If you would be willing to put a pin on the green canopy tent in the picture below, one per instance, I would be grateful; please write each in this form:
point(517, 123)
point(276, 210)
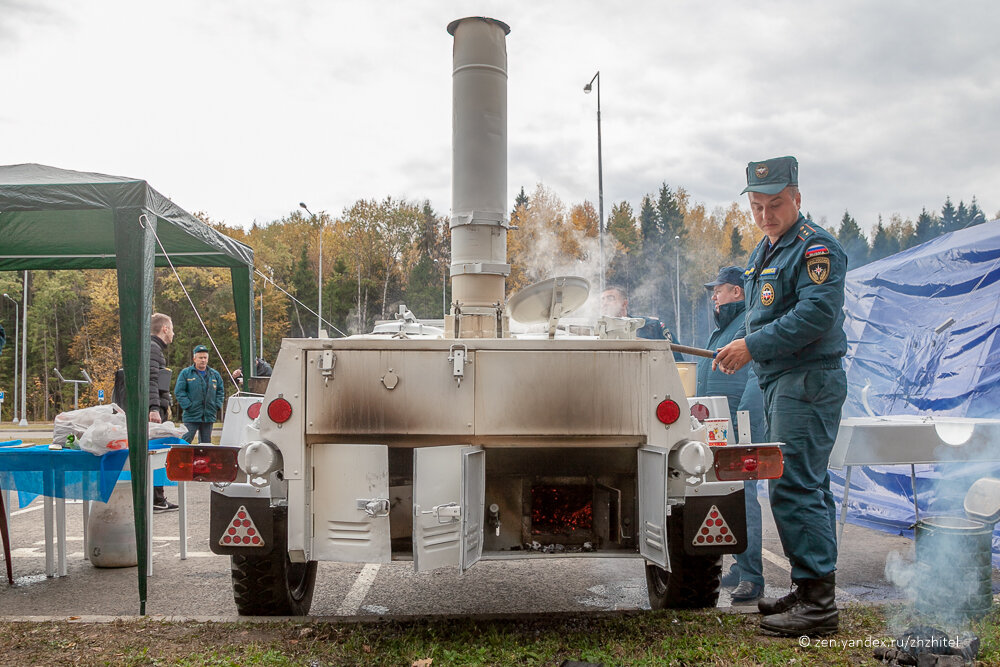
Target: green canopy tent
point(59, 219)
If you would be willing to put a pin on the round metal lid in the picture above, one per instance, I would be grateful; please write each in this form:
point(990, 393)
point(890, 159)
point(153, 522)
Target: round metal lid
point(534, 303)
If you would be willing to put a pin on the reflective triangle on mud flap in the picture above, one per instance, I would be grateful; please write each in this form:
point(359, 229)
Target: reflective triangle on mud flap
point(241, 531)
point(713, 531)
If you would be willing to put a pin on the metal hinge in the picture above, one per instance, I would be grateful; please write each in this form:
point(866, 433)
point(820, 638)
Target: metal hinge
point(374, 507)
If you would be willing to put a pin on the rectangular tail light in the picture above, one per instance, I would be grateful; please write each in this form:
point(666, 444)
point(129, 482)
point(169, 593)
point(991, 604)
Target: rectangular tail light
point(736, 463)
point(202, 464)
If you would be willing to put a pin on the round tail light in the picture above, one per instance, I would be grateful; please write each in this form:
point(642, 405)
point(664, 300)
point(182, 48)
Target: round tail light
point(254, 410)
point(279, 410)
point(668, 411)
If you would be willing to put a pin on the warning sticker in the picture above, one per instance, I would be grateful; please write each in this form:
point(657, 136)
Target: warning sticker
point(714, 530)
point(241, 531)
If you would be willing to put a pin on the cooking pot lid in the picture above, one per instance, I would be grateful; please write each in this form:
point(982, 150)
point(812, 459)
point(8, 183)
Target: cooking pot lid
point(534, 303)
point(983, 500)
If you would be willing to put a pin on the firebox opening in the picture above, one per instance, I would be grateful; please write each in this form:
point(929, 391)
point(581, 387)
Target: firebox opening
point(562, 510)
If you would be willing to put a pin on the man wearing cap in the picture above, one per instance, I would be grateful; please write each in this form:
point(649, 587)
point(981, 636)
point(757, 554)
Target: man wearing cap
point(743, 393)
point(794, 335)
point(200, 392)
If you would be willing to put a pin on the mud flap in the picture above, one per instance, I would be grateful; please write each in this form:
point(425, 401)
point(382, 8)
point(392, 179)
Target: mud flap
point(225, 510)
point(715, 525)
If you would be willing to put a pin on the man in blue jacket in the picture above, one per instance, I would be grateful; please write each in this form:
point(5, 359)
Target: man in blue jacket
point(794, 335)
point(743, 393)
point(200, 392)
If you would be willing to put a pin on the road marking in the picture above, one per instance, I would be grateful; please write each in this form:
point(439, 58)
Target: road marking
point(355, 596)
point(783, 563)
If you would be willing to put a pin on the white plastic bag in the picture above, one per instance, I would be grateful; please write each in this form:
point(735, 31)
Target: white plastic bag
point(105, 436)
point(75, 422)
point(165, 430)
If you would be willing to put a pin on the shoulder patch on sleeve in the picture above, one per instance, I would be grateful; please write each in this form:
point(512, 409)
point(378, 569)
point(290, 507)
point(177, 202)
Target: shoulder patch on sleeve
point(817, 251)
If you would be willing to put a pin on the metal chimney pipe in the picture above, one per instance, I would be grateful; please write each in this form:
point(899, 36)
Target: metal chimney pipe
point(479, 221)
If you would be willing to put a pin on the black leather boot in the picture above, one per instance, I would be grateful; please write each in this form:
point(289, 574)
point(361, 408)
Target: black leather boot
point(768, 606)
point(814, 613)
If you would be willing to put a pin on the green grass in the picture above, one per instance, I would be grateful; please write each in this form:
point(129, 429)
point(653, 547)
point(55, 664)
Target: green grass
point(646, 638)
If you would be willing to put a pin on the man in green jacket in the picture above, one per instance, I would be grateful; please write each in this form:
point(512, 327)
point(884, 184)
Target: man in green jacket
point(794, 335)
point(200, 392)
point(743, 393)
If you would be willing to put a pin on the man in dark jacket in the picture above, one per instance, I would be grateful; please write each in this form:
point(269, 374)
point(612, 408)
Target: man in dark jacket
point(161, 329)
point(200, 392)
point(743, 393)
point(794, 335)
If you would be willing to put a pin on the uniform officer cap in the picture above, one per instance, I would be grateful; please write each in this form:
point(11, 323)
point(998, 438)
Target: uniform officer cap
point(772, 176)
point(199, 348)
point(728, 275)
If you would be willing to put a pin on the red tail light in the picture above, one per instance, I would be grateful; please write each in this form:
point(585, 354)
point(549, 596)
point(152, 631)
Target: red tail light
point(734, 463)
point(279, 410)
point(668, 411)
point(254, 410)
point(202, 464)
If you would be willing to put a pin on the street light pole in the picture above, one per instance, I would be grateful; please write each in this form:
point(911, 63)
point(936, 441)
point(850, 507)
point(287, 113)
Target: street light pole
point(677, 293)
point(24, 352)
point(17, 324)
point(319, 303)
point(600, 172)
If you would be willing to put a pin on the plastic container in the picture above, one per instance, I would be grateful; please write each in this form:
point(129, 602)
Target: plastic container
point(111, 530)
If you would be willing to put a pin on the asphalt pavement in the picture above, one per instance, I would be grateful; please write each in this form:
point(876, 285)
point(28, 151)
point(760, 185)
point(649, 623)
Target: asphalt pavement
point(199, 587)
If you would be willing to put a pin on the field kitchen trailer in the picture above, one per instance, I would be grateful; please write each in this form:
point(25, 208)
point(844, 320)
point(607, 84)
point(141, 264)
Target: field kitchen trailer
point(456, 444)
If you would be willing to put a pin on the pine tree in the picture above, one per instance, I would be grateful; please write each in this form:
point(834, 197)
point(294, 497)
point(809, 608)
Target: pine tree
point(521, 200)
point(976, 215)
point(853, 241)
point(927, 228)
point(884, 243)
point(962, 218)
point(735, 245)
point(949, 219)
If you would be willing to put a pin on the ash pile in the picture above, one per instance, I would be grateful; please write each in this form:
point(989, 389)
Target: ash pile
point(925, 646)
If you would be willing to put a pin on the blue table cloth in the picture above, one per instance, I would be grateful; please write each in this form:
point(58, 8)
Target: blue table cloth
point(31, 471)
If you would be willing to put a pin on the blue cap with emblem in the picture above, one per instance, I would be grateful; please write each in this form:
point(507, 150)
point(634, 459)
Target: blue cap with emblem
point(728, 275)
point(199, 348)
point(772, 176)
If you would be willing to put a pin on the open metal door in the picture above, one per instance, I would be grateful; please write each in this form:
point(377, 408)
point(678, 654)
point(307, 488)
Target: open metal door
point(653, 506)
point(447, 509)
point(351, 507)
point(473, 505)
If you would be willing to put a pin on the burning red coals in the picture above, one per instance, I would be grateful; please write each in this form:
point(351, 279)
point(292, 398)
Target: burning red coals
point(561, 509)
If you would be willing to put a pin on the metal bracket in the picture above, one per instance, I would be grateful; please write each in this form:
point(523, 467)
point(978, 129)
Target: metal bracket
point(457, 354)
point(374, 507)
point(326, 365)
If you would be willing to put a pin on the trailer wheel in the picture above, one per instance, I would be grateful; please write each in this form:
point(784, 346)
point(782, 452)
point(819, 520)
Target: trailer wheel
point(694, 581)
point(272, 585)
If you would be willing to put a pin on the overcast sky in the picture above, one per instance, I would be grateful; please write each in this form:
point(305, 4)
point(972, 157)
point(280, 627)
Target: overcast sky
point(243, 109)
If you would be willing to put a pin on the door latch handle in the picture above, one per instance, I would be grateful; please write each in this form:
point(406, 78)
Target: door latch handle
point(374, 507)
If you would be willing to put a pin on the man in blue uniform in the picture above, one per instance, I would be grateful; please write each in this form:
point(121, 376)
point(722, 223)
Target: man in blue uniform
point(794, 335)
point(742, 391)
point(200, 392)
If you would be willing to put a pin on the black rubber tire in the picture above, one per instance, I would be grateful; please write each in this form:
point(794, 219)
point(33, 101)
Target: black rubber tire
point(693, 583)
point(272, 585)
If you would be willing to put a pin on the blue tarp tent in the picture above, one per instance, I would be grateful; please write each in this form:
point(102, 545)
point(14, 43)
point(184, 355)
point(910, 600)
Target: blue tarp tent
point(922, 329)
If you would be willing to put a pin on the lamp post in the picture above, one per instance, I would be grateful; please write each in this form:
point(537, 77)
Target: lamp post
point(319, 300)
point(24, 353)
point(600, 172)
point(17, 324)
point(677, 293)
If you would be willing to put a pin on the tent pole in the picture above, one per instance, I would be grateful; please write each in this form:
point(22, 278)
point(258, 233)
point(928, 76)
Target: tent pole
point(242, 277)
point(134, 253)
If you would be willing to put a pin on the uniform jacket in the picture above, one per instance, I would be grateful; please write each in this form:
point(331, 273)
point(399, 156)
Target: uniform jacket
point(200, 397)
point(795, 302)
point(158, 400)
point(741, 388)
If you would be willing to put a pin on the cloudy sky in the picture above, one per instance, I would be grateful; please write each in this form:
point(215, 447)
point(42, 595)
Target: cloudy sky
point(243, 109)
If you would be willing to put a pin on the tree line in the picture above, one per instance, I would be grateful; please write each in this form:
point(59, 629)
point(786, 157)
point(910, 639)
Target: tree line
point(377, 254)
